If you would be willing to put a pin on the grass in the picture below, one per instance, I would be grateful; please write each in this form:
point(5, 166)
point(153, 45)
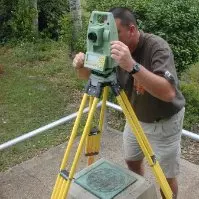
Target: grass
point(38, 86)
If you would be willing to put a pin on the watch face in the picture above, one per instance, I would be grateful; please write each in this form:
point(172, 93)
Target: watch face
point(135, 69)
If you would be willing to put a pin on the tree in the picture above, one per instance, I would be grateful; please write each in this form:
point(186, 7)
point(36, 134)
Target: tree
point(24, 20)
point(75, 10)
point(33, 6)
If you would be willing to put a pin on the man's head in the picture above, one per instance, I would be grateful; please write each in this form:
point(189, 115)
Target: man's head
point(127, 27)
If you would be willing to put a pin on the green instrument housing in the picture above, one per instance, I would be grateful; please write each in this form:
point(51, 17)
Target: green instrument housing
point(101, 31)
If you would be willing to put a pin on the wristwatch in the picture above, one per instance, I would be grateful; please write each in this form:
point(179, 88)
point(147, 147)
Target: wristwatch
point(135, 69)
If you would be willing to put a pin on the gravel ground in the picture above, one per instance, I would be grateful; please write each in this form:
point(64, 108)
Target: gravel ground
point(190, 150)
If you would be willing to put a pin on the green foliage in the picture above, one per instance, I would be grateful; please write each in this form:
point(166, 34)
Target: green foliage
point(138, 6)
point(6, 8)
point(80, 44)
point(103, 5)
point(189, 86)
point(18, 18)
point(66, 29)
point(21, 22)
point(177, 21)
point(50, 12)
point(66, 33)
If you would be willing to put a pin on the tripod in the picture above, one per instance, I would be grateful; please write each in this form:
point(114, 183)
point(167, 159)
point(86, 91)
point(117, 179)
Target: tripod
point(92, 137)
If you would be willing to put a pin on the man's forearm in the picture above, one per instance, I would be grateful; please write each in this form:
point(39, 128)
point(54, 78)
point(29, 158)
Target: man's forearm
point(155, 85)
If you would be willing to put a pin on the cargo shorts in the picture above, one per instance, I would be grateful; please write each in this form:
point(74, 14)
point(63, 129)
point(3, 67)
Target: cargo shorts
point(164, 137)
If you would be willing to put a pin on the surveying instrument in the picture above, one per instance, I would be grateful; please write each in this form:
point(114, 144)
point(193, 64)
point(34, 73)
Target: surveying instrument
point(101, 31)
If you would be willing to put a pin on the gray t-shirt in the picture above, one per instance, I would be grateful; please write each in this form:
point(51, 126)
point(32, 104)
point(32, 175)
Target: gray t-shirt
point(155, 55)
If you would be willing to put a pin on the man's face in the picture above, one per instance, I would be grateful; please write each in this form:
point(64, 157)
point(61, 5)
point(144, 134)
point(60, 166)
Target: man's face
point(123, 32)
point(127, 34)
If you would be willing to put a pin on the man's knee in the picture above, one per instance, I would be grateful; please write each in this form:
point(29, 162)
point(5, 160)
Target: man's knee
point(136, 166)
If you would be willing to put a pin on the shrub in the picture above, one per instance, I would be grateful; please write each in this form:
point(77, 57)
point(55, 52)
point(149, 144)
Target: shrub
point(18, 18)
point(66, 33)
point(178, 23)
point(50, 13)
point(66, 29)
point(189, 86)
point(6, 8)
point(21, 22)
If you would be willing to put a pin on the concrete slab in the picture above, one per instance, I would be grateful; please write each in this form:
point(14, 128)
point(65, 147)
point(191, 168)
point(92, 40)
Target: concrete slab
point(35, 178)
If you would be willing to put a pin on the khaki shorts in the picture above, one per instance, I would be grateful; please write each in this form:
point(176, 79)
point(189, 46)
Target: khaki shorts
point(164, 137)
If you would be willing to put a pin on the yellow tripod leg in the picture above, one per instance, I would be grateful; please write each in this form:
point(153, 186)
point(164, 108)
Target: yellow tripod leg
point(93, 140)
point(66, 184)
point(103, 108)
point(144, 144)
point(89, 139)
point(60, 179)
point(102, 116)
point(155, 165)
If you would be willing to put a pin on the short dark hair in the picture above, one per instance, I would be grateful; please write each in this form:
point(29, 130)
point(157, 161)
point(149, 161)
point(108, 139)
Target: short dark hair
point(125, 15)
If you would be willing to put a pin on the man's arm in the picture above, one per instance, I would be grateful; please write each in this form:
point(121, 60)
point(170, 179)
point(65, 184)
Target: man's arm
point(78, 63)
point(154, 84)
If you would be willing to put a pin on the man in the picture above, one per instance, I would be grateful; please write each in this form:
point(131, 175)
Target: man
point(147, 73)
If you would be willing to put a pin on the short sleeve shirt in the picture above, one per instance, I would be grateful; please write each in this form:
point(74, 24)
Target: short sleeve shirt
point(156, 56)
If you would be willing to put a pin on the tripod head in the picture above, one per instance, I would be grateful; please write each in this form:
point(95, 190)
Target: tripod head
point(101, 31)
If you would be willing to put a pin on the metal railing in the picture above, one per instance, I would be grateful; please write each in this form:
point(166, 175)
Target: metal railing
point(68, 118)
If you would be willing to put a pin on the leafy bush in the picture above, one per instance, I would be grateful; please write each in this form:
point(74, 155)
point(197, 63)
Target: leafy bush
point(189, 86)
point(50, 13)
point(104, 5)
point(18, 18)
point(66, 29)
point(22, 20)
point(66, 33)
point(177, 21)
point(6, 8)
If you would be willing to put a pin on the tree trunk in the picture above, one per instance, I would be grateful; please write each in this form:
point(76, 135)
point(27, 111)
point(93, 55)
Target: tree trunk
point(33, 6)
point(75, 10)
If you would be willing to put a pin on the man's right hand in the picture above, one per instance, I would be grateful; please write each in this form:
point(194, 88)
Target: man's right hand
point(78, 61)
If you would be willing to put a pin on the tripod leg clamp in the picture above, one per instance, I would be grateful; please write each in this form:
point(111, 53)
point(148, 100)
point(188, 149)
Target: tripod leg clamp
point(65, 175)
point(153, 157)
point(93, 142)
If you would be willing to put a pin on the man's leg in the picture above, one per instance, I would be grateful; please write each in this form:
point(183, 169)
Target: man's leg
point(133, 154)
point(174, 187)
point(164, 137)
point(136, 166)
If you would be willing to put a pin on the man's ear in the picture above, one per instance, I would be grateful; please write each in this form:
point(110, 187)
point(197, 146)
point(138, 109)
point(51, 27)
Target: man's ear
point(132, 29)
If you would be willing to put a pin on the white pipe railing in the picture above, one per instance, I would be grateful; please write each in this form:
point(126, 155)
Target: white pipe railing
point(42, 129)
point(68, 118)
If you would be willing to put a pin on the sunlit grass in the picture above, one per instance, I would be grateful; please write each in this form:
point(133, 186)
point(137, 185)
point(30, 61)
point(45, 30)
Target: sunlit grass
point(38, 86)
